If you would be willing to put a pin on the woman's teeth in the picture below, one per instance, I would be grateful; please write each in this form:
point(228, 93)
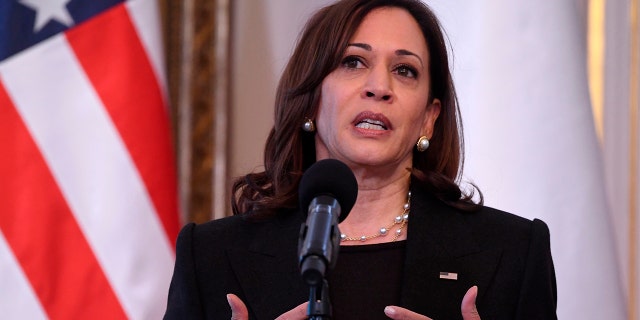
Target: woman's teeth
point(371, 125)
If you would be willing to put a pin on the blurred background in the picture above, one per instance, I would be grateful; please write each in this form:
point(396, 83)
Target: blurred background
point(548, 92)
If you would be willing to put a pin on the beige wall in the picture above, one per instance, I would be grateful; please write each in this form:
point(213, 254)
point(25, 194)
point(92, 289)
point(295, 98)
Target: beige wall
point(265, 33)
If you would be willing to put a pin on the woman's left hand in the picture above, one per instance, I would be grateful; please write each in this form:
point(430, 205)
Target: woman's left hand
point(468, 308)
point(239, 310)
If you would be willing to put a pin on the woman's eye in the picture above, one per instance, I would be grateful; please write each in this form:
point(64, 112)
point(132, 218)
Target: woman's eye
point(352, 62)
point(406, 71)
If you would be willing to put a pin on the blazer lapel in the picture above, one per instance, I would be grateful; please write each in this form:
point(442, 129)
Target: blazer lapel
point(440, 240)
point(268, 269)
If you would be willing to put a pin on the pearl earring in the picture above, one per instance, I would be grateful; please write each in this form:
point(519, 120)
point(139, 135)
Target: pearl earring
point(422, 144)
point(308, 125)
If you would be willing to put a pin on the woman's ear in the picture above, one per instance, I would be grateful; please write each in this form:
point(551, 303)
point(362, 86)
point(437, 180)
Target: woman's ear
point(433, 111)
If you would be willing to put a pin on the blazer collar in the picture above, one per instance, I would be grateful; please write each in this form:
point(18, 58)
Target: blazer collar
point(443, 228)
point(440, 239)
point(268, 269)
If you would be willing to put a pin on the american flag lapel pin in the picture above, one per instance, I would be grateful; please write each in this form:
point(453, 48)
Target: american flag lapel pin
point(448, 275)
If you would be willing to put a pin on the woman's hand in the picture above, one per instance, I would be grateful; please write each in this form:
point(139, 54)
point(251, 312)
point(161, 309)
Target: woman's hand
point(468, 308)
point(239, 310)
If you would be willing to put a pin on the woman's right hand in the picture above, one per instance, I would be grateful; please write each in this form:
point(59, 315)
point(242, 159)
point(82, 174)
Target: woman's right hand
point(468, 308)
point(239, 310)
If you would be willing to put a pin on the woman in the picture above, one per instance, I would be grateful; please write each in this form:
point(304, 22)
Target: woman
point(368, 84)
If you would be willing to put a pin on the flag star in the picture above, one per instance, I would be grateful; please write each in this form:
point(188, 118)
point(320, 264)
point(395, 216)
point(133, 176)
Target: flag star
point(47, 10)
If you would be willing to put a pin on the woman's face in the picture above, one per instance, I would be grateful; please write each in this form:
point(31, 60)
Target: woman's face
point(373, 107)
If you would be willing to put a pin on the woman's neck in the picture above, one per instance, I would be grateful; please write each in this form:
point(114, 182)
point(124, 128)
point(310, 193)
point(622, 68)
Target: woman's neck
point(379, 202)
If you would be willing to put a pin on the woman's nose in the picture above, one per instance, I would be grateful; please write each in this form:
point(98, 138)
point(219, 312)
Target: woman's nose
point(378, 86)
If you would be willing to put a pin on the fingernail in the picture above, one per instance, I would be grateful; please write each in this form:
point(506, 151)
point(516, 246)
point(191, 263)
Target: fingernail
point(390, 310)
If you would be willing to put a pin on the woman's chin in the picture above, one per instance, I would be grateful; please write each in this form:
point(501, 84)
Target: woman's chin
point(377, 161)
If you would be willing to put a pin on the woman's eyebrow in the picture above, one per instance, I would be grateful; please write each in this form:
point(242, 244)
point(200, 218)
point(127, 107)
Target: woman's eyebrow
point(400, 52)
point(404, 52)
point(361, 45)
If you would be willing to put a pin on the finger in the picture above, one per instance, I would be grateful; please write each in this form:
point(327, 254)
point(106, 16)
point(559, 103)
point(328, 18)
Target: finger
point(468, 307)
point(297, 313)
point(398, 313)
point(238, 309)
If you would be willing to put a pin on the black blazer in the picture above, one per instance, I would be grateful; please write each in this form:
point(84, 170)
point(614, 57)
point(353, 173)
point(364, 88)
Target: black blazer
point(506, 256)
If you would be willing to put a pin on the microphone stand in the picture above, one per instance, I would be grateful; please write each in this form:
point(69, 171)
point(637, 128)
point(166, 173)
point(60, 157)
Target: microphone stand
point(322, 187)
point(318, 251)
point(319, 308)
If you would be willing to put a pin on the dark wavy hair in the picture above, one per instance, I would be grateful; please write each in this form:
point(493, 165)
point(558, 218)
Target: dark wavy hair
point(289, 151)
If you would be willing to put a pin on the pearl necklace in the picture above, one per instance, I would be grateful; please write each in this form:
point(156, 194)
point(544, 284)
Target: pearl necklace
point(401, 220)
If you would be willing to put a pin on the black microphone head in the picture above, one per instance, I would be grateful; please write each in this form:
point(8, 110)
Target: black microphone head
point(329, 177)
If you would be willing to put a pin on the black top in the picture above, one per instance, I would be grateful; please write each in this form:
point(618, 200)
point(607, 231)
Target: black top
point(366, 279)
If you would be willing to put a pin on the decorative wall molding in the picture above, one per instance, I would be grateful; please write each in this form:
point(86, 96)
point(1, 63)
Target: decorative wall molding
point(196, 34)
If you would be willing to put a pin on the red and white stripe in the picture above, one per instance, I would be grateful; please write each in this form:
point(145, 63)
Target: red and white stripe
point(88, 186)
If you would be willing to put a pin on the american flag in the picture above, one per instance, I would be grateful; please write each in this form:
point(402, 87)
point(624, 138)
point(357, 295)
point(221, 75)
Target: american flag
point(88, 199)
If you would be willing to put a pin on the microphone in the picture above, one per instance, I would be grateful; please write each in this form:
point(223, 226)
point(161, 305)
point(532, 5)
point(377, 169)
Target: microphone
point(329, 190)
